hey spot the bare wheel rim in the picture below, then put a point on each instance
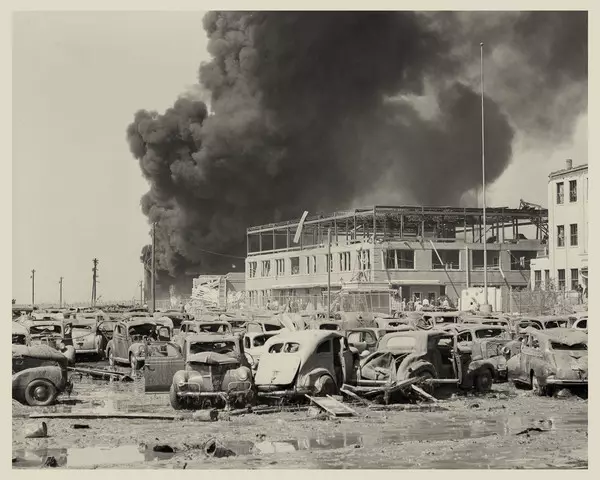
(41, 393)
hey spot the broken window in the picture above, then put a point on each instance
(564, 346)
(560, 193)
(450, 259)
(572, 190)
(266, 268)
(328, 262)
(280, 266)
(573, 236)
(364, 259)
(344, 258)
(574, 278)
(537, 279)
(399, 259)
(251, 269)
(295, 265)
(561, 279)
(493, 259)
(560, 235)
(325, 347)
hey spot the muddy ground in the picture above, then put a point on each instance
(507, 428)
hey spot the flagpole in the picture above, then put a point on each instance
(485, 283)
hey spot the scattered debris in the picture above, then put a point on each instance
(531, 429)
(206, 415)
(423, 393)
(214, 448)
(39, 431)
(89, 415)
(50, 462)
(333, 406)
(163, 449)
(474, 405)
(101, 373)
(80, 425)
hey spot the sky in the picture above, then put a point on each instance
(78, 78)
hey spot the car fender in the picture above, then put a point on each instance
(412, 363)
(52, 374)
(309, 379)
(133, 348)
(110, 345)
(180, 376)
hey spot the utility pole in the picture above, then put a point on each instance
(153, 286)
(32, 288)
(60, 282)
(329, 265)
(485, 286)
(94, 280)
(141, 285)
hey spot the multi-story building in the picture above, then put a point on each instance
(564, 263)
(382, 255)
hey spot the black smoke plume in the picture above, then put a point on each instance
(321, 110)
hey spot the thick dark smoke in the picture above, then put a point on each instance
(320, 110)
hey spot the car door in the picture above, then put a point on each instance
(119, 341)
(348, 370)
(525, 358)
(457, 359)
(161, 366)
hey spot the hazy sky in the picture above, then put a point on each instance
(78, 78)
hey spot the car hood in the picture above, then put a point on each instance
(277, 369)
(213, 358)
(567, 360)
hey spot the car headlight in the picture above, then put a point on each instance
(181, 384)
(242, 373)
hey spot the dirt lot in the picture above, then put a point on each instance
(471, 432)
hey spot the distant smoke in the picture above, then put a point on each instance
(320, 110)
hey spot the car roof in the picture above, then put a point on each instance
(212, 337)
(303, 336)
(568, 336)
(43, 352)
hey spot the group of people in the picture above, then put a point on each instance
(415, 304)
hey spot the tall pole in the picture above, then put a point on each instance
(141, 284)
(153, 306)
(485, 287)
(329, 265)
(32, 288)
(60, 282)
(94, 280)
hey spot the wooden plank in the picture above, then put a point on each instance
(331, 405)
(423, 393)
(355, 396)
(92, 415)
(343, 405)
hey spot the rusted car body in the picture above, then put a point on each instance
(39, 374)
(254, 345)
(133, 338)
(54, 333)
(194, 327)
(20, 334)
(316, 362)
(430, 354)
(365, 340)
(579, 322)
(551, 358)
(208, 370)
(86, 334)
(540, 323)
(176, 316)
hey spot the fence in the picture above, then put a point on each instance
(545, 302)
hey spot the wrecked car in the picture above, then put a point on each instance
(551, 358)
(20, 334)
(39, 374)
(54, 333)
(316, 362)
(431, 355)
(207, 370)
(128, 344)
(254, 345)
(365, 340)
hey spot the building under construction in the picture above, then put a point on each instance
(390, 253)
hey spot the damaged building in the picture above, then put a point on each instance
(383, 254)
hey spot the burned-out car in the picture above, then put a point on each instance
(254, 345)
(551, 358)
(20, 334)
(207, 370)
(86, 334)
(54, 333)
(316, 362)
(39, 374)
(429, 354)
(133, 338)
(365, 340)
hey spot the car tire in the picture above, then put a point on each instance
(484, 381)
(40, 393)
(324, 386)
(176, 402)
(538, 389)
(426, 374)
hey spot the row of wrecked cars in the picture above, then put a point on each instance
(220, 360)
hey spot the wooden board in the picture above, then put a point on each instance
(91, 415)
(331, 405)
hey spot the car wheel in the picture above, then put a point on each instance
(111, 357)
(536, 387)
(176, 402)
(483, 381)
(425, 375)
(40, 393)
(325, 386)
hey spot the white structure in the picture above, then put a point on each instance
(565, 262)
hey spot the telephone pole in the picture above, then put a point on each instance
(153, 306)
(32, 288)
(94, 280)
(141, 285)
(60, 282)
(486, 307)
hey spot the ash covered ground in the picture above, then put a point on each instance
(507, 428)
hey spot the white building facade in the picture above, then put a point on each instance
(564, 264)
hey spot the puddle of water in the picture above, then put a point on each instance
(87, 457)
